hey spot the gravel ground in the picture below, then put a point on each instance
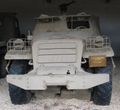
(70, 100)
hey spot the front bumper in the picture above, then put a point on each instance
(40, 82)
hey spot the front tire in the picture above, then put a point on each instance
(101, 94)
(18, 95)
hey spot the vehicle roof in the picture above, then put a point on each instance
(83, 14)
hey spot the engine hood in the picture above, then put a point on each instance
(63, 35)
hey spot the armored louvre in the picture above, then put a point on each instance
(57, 56)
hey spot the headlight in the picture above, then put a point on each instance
(99, 42)
(18, 44)
(97, 61)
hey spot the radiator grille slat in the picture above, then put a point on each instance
(57, 52)
(57, 45)
(56, 59)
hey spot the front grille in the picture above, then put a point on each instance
(56, 53)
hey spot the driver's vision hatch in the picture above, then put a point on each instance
(78, 22)
(49, 20)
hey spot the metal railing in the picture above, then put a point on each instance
(19, 44)
(97, 42)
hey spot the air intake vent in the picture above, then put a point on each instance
(56, 53)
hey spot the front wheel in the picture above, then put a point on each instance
(101, 94)
(18, 95)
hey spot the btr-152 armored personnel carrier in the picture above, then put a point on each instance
(65, 51)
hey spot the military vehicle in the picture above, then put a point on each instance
(66, 50)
